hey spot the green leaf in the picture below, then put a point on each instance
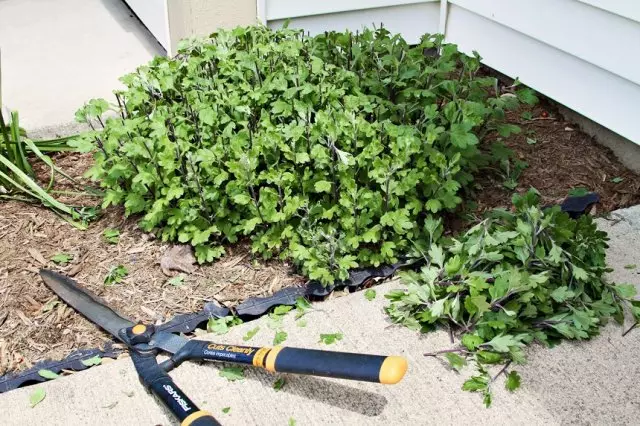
(37, 396)
(302, 307)
(506, 130)
(250, 334)
(232, 373)
(207, 115)
(578, 192)
(526, 115)
(487, 398)
(330, 338)
(282, 309)
(502, 343)
(617, 179)
(323, 186)
(630, 266)
(531, 141)
(115, 275)
(488, 357)
(48, 374)
(579, 273)
(370, 294)
(222, 325)
(292, 421)
(475, 384)
(302, 157)
(527, 96)
(226, 410)
(626, 291)
(471, 341)
(455, 361)
(96, 360)
(562, 293)
(476, 305)
(280, 337)
(61, 258)
(387, 249)
(555, 254)
(278, 384)
(178, 280)
(436, 254)
(461, 137)
(301, 323)
(433, 205)
(207, 254)
(242, 199)
(112, 236)
(513, 381)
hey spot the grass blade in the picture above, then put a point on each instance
(34, 187)
(5, 135)
(47, 160)
(21, 154)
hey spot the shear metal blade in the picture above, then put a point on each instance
(83, 302)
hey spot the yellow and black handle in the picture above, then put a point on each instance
(342, 365)
(163, 386)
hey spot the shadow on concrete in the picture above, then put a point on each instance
(318, 389)
(129, 22)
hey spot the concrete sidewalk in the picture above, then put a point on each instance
(591, 382)
(56, 55)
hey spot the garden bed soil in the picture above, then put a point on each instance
(33, 326)
(562, 158)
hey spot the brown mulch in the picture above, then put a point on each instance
(37, 327)
(562, 158)
(34, 326)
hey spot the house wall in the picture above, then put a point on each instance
(202, 17)
(172, 20)
(411, 18)
(581, 53)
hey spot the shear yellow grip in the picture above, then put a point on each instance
(200, 416)
(392, 370)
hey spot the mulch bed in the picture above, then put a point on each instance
(561, 159)
(33, 326)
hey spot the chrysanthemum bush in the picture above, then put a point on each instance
(328, 150)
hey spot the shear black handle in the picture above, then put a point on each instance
(343, 365)
(163, 386)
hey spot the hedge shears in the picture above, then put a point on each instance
(145, 342)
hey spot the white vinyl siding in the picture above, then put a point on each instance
(585, 54)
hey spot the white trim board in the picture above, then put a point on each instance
(154, 14)
(283, 9)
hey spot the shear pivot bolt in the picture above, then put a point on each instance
(139, 329)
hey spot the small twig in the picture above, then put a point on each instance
(445, 351)
(630, 328)
(542, 118)
(501, 371)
